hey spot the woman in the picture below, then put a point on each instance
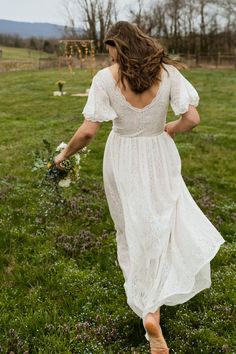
(164, 241)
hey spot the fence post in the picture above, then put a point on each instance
(197, 59)
(218, 59)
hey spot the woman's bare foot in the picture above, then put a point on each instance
(157, 315)
(157, 342)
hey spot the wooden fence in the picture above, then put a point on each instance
(53, 63)
(102, 60)
(216, 60)
(28, 64)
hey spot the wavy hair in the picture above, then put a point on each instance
(139, 56)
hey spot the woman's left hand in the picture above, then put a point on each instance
(170, 128)
(59, 158)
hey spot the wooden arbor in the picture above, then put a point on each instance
(82, 49)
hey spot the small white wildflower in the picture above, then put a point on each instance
(77, 156)
(65, 182)
(61, 146)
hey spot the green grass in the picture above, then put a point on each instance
(58, 295)
(11, 53)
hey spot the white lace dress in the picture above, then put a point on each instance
(164, 241)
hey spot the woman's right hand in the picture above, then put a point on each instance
(59, 158)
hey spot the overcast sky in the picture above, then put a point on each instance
(51, 11)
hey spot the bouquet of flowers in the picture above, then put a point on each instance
(55, 176)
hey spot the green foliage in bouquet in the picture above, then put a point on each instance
(54, 176)
(54, 179)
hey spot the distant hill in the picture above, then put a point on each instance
(28, 29)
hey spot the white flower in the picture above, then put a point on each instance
(64, 182)
(77, 156)
(61, 146)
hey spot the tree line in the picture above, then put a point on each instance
(46, 45)
(184, 26)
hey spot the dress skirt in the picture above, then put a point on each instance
(164, 241)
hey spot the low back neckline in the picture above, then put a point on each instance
(118, 90)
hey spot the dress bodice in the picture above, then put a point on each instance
(106, 102)
(134, 121)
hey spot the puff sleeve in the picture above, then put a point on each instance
(98, 107)
(182, 93)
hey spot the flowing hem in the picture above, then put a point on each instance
(188, 294)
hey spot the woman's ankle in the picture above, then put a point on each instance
(158, 315)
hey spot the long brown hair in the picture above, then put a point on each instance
(139, 56)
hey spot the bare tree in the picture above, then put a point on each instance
(96, 15)
(89, 12)
(136, 16)
(160, 18)
(203, 45)
(229, 14)
(189, 14)
(151, 20)
(203, 6)
(115, 11)
(70, 27)
(174, 11)
(105, 19)
(185, 26)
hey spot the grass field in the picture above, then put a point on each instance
(11, 53)
(61, 289)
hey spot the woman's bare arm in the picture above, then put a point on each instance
(187, 121)
(80, 139)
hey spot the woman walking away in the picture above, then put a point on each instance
(164, 241)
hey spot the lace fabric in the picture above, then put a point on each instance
(164, 241)
(182, 93)
(106, 101)
(98, 107)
